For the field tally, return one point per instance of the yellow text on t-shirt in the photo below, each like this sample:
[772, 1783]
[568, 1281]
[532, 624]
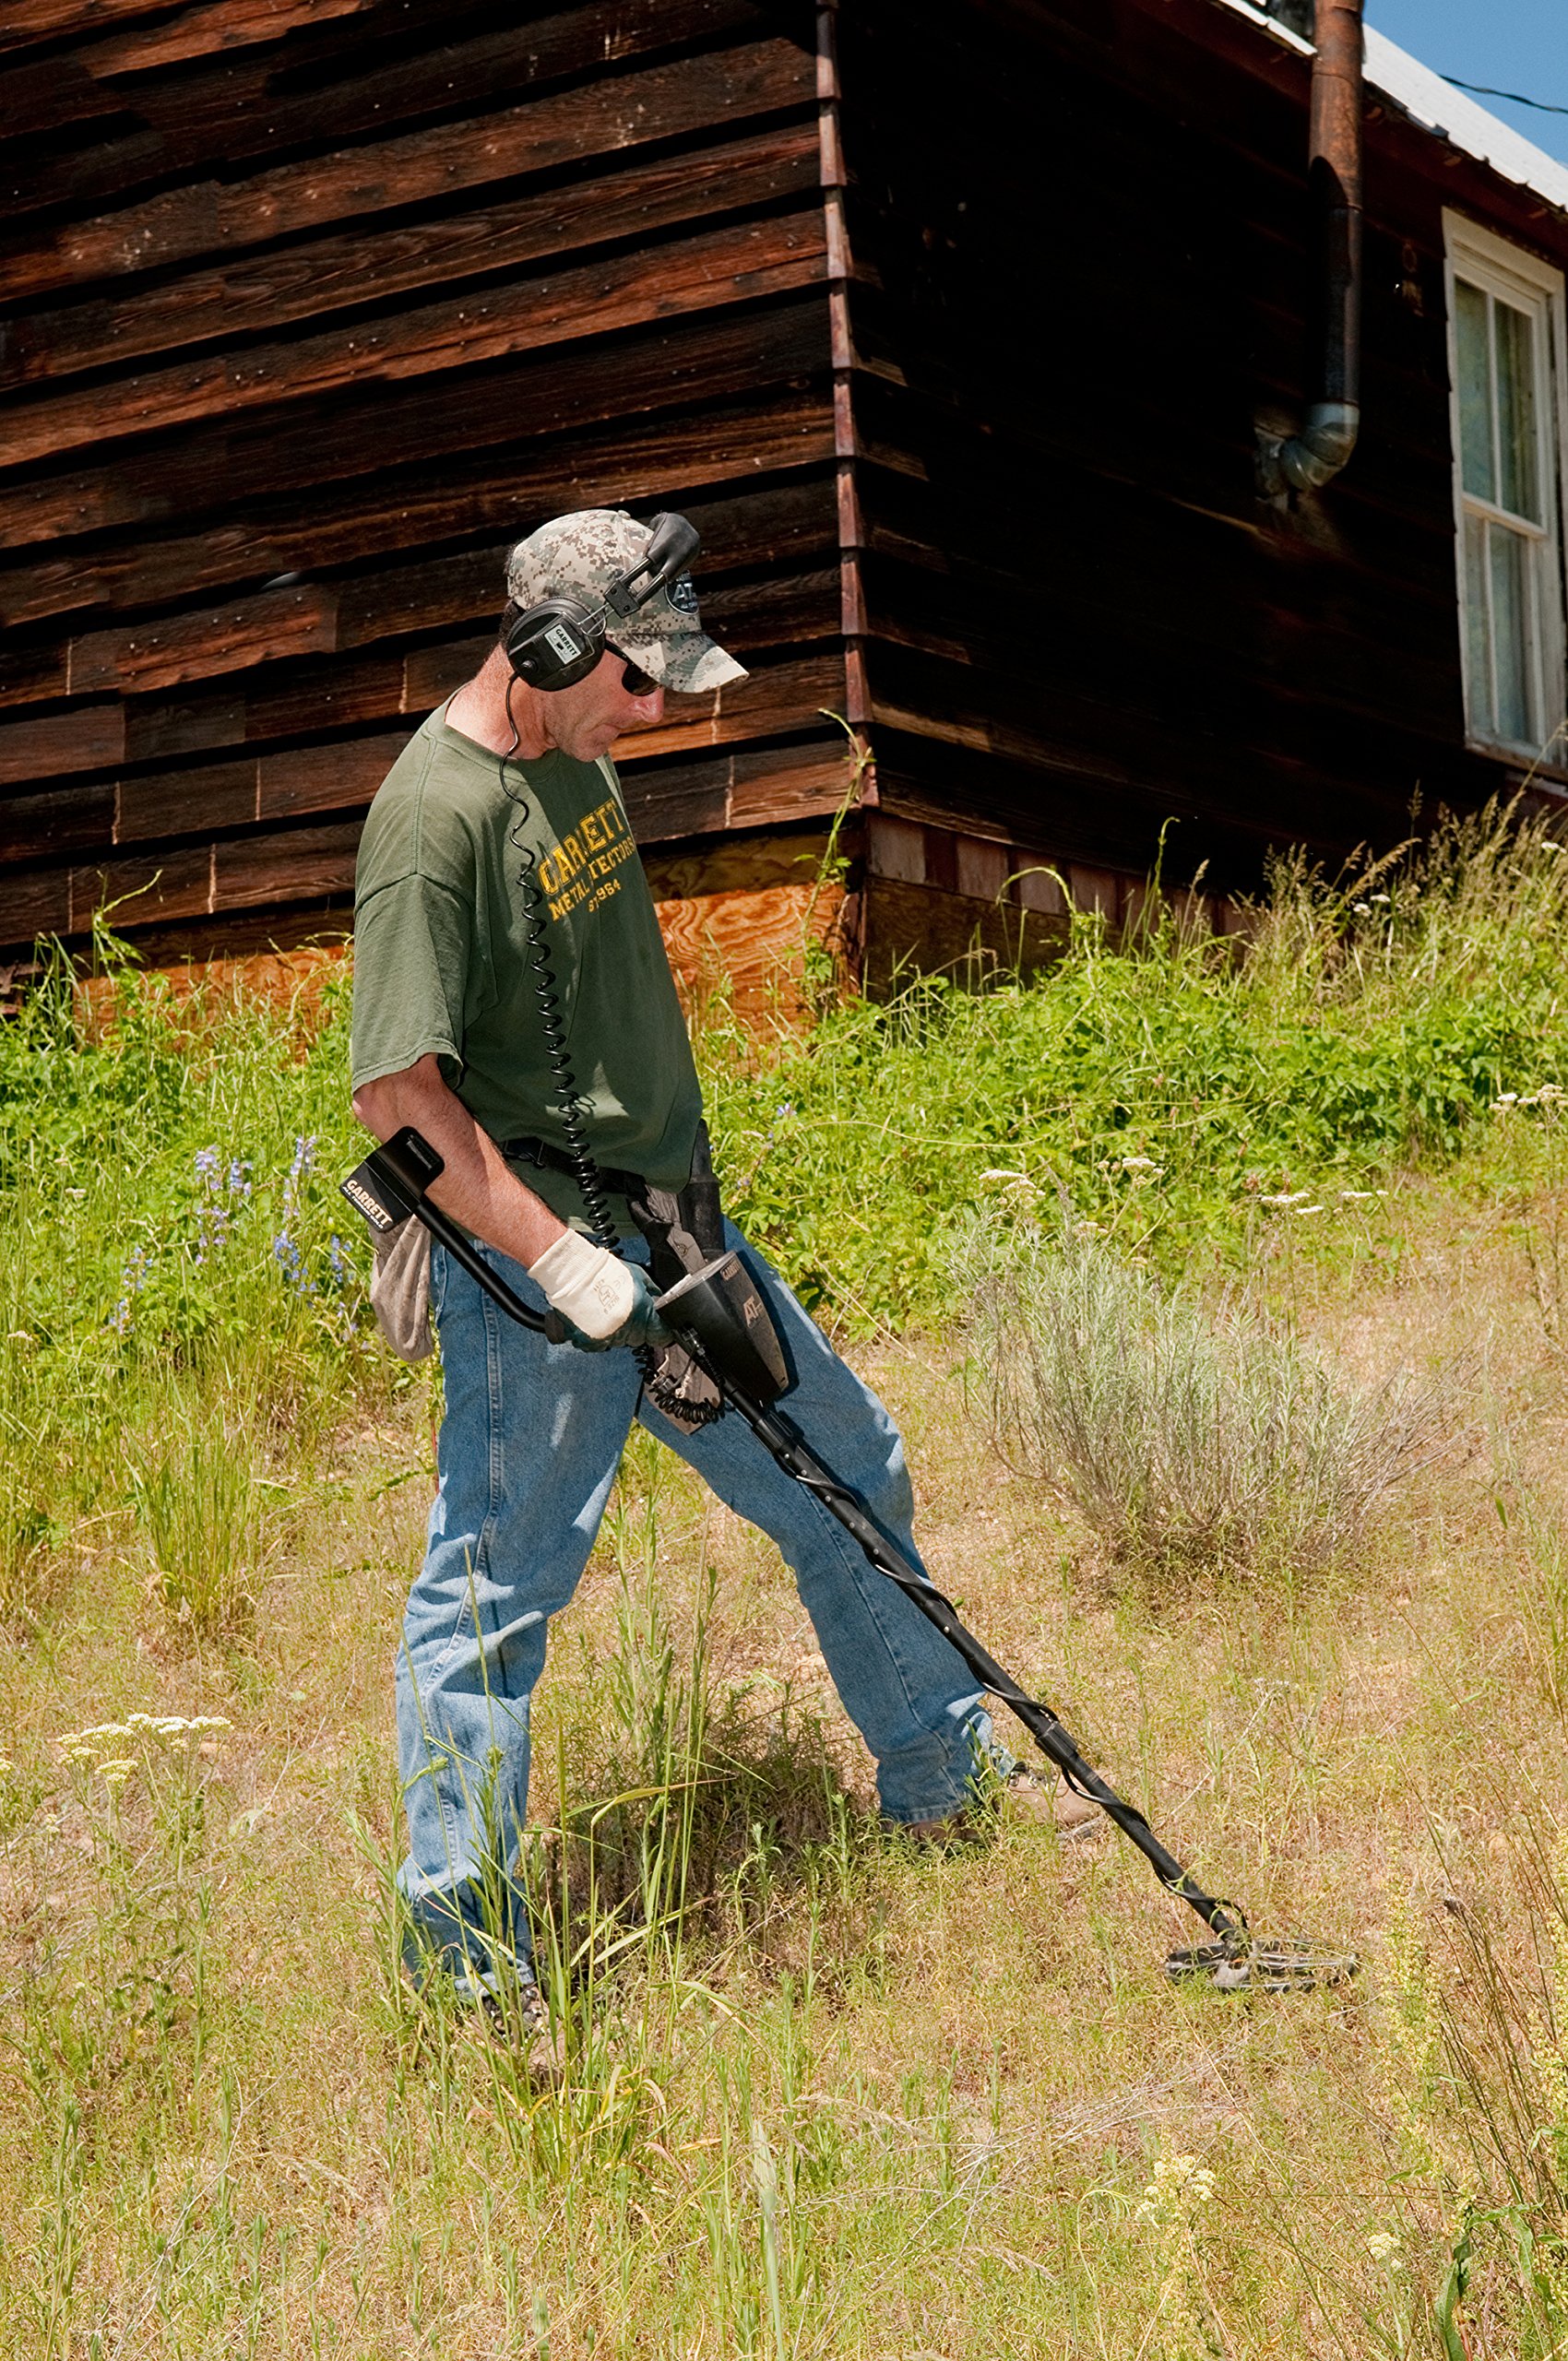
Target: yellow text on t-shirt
[582, 867]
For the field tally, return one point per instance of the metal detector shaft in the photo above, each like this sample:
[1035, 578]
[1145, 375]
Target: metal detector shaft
[792, 1452]
[462, 1250]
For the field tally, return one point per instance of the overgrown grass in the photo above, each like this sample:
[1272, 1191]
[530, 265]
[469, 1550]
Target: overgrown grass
[825, 2096]
[169, 1160]
[178, 1304]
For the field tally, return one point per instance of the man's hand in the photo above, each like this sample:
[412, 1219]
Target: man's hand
[599, 1300]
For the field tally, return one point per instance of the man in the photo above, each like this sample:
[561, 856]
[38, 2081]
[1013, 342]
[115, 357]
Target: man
[503, 803]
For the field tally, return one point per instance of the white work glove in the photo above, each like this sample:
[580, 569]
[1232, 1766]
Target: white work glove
[601, 1300]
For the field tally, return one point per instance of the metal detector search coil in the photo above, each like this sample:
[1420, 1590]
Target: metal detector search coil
[1295, 1965]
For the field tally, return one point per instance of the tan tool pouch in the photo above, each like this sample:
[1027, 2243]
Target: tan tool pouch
[400, 1290]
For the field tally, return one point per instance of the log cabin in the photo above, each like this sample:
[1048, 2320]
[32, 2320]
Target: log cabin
[970, 337]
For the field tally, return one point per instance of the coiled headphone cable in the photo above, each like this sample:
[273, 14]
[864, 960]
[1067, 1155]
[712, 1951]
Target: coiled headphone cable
[664, 1393]
[570, 1105]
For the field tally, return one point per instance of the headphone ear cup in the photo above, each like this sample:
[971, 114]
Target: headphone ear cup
[555, 646]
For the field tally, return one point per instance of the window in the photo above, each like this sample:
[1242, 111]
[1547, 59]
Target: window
[1506, 368]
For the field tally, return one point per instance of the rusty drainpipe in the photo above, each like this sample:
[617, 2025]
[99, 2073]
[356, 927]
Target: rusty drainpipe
[1304, 461]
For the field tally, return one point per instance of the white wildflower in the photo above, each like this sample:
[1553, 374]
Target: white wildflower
[1296, 1197]
[1180, 2184]
[1363, 910]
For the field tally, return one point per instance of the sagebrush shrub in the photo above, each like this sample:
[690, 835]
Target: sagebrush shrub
[1191, 1441]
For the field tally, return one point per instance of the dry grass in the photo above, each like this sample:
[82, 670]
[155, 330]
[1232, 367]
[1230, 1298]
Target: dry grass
[872, 2104]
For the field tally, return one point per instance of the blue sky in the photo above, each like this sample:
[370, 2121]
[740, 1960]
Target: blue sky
[1512, 44]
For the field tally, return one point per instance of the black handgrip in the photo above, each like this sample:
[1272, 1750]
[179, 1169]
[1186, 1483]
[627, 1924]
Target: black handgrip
[463, 1249]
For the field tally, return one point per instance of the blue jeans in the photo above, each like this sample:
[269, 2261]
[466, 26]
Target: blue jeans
[530, 1446]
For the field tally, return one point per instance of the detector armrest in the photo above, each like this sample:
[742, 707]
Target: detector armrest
[390, 1184]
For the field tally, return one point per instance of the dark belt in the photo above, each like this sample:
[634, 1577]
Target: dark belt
[555, 1159]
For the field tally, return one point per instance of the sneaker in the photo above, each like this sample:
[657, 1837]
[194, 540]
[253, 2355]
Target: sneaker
[522, 2020]
[1031, 1797]
[1020, 1794]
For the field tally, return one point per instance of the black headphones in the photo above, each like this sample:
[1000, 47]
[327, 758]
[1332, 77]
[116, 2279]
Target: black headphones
[558, 643]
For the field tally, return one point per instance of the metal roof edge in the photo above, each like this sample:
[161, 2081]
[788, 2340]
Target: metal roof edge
[1436, 106]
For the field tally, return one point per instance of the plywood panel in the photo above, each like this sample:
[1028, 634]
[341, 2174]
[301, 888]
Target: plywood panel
[736, 918]
[748, 946]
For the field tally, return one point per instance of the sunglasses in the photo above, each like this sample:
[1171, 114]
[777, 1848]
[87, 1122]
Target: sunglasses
[633, 679]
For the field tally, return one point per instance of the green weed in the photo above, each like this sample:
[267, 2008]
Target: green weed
[203, 1511]
[1192, 1097]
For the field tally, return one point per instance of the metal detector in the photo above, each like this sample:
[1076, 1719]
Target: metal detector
[721, 1320]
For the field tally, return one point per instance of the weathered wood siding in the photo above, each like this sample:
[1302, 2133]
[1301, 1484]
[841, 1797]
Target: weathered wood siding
[952, 327]
[1077, 232]
[310, 308]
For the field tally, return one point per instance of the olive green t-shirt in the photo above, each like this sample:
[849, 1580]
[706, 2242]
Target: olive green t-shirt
[441, 957]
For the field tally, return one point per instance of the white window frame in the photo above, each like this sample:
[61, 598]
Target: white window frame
[1489, 262]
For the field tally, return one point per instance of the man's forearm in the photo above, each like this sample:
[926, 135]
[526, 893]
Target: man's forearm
[477, 1188]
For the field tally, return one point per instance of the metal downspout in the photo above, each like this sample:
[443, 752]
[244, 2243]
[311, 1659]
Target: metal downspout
[1306, 460]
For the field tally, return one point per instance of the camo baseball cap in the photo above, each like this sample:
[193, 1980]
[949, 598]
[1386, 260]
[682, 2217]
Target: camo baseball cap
[581, 555]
